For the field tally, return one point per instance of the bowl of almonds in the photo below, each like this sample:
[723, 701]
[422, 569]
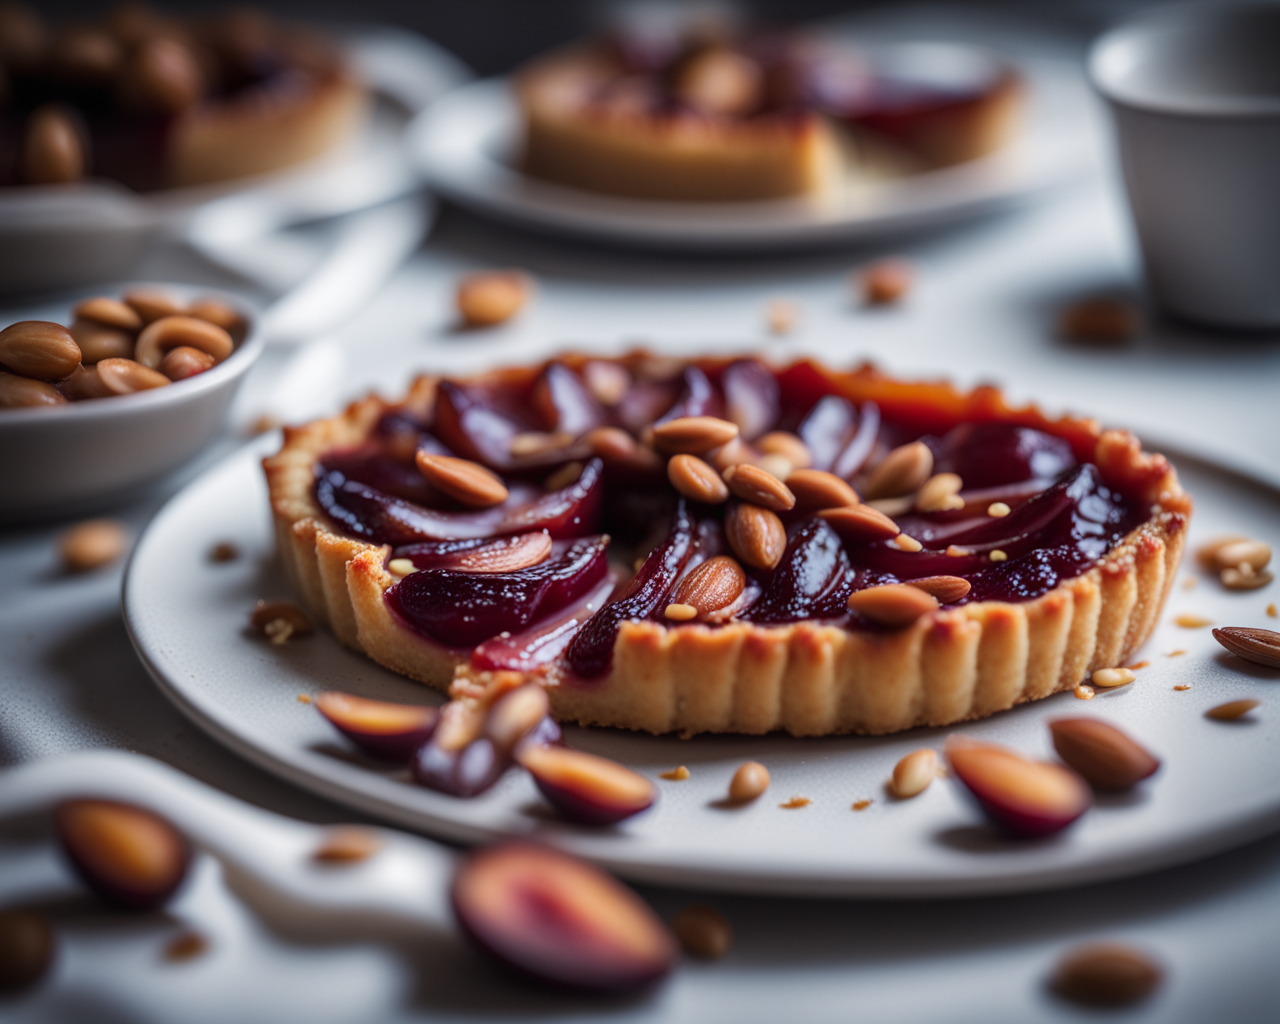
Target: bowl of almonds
[120, 390]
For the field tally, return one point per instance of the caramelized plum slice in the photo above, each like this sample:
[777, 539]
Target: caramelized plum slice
[371, 514]
[992, 454]
[542, 642]
[381, 728]
[479, 555]
[559, 920]
[698, 397]
[812, 581]
[591, 651]
[750, 397]
[585, 788]
[130, 857]
[855, 453]
[469, 421]
[562, 402]
[827, 430]
[461, 608]
[383, 472]
[459, 759]
[1028, 798]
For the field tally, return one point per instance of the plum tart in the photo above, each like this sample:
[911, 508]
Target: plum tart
[726, 116]
[720, 545]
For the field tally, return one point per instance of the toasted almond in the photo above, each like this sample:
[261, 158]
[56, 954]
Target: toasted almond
[1106, 974]
[756, 534]
[940, 493]
[904, 542]
[1232, 710]
[401, 566]
[900, 472]
[678, 612]
[696, 480]
[1272, 611]
[860, 524]
[677, 774]
[611, 443]
[913, 774]
[703, 932]
[565, 476]
[1260, 646]
[713, 585]
[1084, 691]
[1253, 553]
[775, 465]
[748, 782]
[753, 484]
[280, 620]
[1105, 756]
[508, 554]
[151, 304]
[1108, 678]
[998, 510]
[1244, 577]
[111, 312]
[788, 445]
[607, 381]
[348, 845]
[1207, 553]
[998, 556]
[693, 435]
[815, 490]
[535, 442]
[735, 453]
[467, 482]
[947, 589]
[886, 282]
[489, 298]
[892, 604]
[892, 506]
[93, 544]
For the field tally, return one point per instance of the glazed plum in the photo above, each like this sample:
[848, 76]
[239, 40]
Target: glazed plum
[812, 581]
[130, 857]
[562, 402]
[991, 454]
[750, 397]
[381, 728]
[544, 641]
[558, 920]
[480, 555]
[698, 397]
[585, 788]
[1027, 798]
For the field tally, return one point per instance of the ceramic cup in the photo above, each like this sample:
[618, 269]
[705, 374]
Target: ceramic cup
[1195, 92]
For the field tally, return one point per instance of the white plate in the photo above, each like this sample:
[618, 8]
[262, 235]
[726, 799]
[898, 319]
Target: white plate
[1219, 786]
[465, 144]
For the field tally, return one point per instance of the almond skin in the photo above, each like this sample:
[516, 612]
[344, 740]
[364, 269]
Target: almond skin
[696, 480]
[753, 484]
[1260, 646]
[756, 535]
[1107, 758]
[893, 604]
[789, 446]
[467, 482]
[713, 585]
[947, 589]
[861, 524]
[693, 435]
[816, 490]
[508, 554]
[1106, 974]
[900, 472]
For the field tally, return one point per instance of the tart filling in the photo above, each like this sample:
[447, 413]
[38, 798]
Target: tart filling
[999, 556]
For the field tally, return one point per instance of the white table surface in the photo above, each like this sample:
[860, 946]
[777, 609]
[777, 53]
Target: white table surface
[984, 310]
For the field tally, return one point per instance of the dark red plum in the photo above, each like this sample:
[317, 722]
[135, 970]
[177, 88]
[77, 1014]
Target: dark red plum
[1029, 799]
[585, 788]
[812, 581]
[750, 397]
[562, 402]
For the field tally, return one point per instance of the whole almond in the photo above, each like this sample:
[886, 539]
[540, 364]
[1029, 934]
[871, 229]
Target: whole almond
[508, 554]
[748, 782]
[860, 524]
[84, 383]
[703, 932]
[127, 855]
[886, 281]
[753, 484]
[940, 493]
[183, 362]
[1231, 710]
[1260, 646]
[24, 393]
[490, 298]
[467, 482]
[1244, 577]
[947, 589]
[151, 304]
[109, 313]
[788, 445]
[696, 480]
[900, 472]
[892, 604]
[1253, 553]
[347, 844]
[1106, 974]
[39, 349]
[607, 381]
[1105, 756]
[27, 947]
[98, 342]
[815, 490]
[713, 585]
[219, 313]
[127, 376]
[913, 774]
[52, 149]
[693, 435]
[734, 453]
[1207, 553]
[756, 535]
[93, 544]
[170, 332]
[611, 443]
[535, 442]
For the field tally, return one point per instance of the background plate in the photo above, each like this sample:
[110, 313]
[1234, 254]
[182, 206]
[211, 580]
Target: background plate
[1219, 786]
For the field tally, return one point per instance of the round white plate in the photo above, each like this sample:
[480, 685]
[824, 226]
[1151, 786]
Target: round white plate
[1219, 785]
[466, 145]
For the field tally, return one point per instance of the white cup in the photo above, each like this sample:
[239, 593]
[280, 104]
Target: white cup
[1196, 96]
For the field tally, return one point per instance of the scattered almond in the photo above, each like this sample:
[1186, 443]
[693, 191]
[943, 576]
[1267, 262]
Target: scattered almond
[676, 774]
[998, 510]
[93, 544]
[401, 566]
[304, 698]
[893, 604]
[947, 589]
[1231, 710]
[224, 552]
[1244, 577]
[607, 381]
[796, 802]
[1106, 974]
[611, 443]
[111, 312]
[901, 472]
[1192, 621]
[788, 445]
[1100, 320]
[956, 551]
[696, 480]
[566, 476]
[1084, 691]
[492, 297]
[1105, 756]
[467, 482]
[775, 465]
[1137, 665]
[536, 442]
[713, 585]
[998, 556]
[756, 535]
[886, 282]
[348, 845]
[693, 435]
[753, 484]
[860, 524]
[280, 620]
[815, 490]
[680, 612]
[703, 932]
[940, 493]
[1108, 678]
[862, 805]
[1253, 553]
[748, 782]
[185, 946]
[913, 774]
[904, 542]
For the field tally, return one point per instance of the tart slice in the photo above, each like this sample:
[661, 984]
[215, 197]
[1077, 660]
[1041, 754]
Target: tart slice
[718, 545]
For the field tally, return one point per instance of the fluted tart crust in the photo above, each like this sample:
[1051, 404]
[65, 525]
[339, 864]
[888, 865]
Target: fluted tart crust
[961, 660]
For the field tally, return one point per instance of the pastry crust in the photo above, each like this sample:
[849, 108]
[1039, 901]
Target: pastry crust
[806, 678]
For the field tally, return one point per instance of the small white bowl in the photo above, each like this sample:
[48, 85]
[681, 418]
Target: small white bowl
[72, 458]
